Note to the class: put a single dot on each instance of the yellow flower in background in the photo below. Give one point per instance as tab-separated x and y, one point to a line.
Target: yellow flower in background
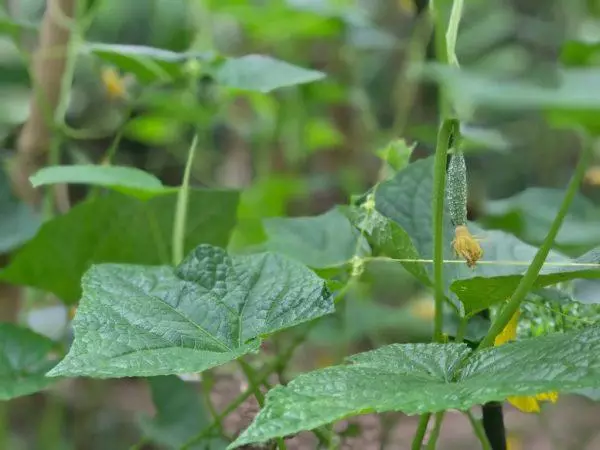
592	176
407	6
527	404
466	246
513	443
113	83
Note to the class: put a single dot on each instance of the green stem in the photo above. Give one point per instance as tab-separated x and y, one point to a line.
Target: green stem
439	188
452	32
435	434
479	431
417	443
441	54
255	388
207	384
286	356
250	374
462	329
182	206
4	425
540	257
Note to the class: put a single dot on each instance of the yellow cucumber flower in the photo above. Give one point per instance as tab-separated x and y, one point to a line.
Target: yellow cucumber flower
529	403
466	246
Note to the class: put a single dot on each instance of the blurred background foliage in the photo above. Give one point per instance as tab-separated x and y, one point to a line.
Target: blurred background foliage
303	149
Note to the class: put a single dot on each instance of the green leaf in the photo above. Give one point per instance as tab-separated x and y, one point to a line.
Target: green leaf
148	64
420	378
211	309
117	228
573	90
327	240
267	197
406	200
529	214
479	292
250	72
129	180
14	28
19	222
179	414
579	53
263	73
396	154
25	357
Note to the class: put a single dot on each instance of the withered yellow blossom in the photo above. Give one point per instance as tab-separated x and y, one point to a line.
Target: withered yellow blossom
466	246
527	404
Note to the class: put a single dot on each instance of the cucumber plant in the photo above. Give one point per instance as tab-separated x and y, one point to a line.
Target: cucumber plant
159	291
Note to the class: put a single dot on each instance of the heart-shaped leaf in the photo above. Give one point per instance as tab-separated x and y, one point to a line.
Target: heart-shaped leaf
420	378
211	309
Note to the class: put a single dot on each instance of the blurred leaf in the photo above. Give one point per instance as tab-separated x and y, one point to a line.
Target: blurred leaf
128	180
148	64
211	309
14	28
321	134
267	197
263	73
327	240
25	357
180	414
420	378
530	213
18	222
117	228
578	53
572	99
485	138
586	291
268	23
396	154
154	130
251	72
360	318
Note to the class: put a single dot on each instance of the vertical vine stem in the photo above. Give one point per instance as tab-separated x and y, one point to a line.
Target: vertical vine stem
445	43
439	188
255	388
540	257
479	431
435	434
182	205
417	443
